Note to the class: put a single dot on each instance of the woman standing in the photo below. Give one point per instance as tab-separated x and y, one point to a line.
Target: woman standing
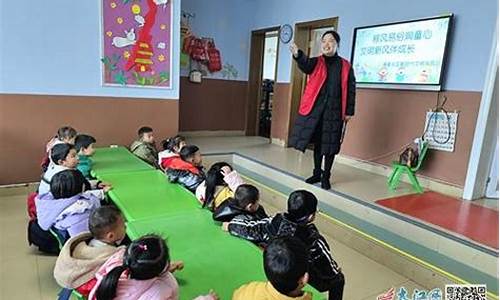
326	106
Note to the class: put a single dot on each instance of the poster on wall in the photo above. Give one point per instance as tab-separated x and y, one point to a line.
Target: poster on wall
137	43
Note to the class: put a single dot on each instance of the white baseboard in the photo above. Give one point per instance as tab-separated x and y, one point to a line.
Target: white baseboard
19	185
207	133
18	189
425	182
278	142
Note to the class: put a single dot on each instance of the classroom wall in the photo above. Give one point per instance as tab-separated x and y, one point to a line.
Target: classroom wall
400	115
471	40
50	76
29	121
215	105
54	48
229	23
49	37
388	119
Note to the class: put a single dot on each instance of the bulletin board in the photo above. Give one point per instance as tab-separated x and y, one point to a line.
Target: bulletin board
137	43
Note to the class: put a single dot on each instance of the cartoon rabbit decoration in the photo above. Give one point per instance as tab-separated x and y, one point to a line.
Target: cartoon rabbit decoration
121	42
140	19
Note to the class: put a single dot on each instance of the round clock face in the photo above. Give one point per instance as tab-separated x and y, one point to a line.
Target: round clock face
286	33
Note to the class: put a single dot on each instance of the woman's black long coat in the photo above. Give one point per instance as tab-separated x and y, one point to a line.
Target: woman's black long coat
324	123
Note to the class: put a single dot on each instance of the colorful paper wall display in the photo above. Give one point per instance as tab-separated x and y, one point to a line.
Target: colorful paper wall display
137	43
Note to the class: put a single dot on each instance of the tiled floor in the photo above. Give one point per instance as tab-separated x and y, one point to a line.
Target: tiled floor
345	179
365	278
487	202
476	222
349	180
24	273
27	274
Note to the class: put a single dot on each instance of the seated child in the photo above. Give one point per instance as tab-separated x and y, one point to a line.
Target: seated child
285	265
84	145
188	170
244	206
65	158
145	148
84	254
220	185
66	207
142	271
65	135
324	273
171	149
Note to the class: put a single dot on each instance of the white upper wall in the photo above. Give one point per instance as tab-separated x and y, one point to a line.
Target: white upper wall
53	47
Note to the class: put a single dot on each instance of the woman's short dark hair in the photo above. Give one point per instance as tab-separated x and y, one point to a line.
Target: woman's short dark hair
336	36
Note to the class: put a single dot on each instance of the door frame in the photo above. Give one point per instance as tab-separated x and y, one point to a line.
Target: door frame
492	185
298	79
481	155
254	90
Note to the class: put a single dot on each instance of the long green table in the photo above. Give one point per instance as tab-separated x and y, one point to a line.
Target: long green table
116	160
213	258
148	194
151	204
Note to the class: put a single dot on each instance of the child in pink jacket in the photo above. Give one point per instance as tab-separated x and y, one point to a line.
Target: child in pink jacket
142	271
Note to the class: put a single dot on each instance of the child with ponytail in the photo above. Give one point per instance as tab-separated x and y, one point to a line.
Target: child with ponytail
141	271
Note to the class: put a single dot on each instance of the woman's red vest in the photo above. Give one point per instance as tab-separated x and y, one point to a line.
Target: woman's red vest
316	81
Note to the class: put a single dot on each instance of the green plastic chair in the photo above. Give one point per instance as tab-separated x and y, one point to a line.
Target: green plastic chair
399	169
57	237
77	295
74	293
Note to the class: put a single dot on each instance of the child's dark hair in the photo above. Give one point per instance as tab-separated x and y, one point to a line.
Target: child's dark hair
188	152
301	204
336	36
285	263
83	141
172	143
143	130
214	179
102	220
66	132
60	152
145	258
67	183
246	194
